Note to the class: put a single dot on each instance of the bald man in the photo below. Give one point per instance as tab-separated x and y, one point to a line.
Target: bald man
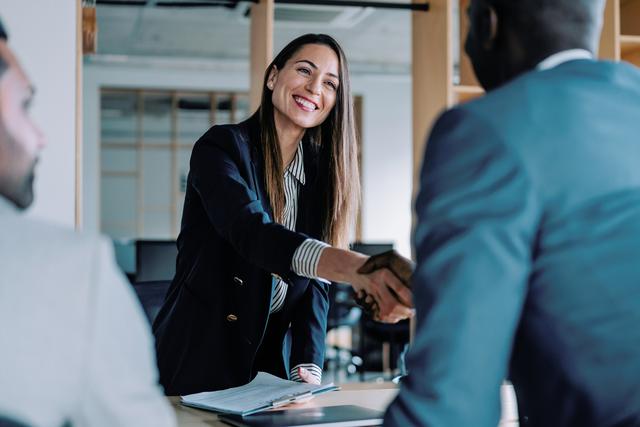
528	234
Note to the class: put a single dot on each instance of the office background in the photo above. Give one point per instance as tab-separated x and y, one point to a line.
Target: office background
207	50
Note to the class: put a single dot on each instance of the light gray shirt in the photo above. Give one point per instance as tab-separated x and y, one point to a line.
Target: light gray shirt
75	345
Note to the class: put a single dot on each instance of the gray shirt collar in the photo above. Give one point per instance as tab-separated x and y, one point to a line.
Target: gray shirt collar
561	57
7	207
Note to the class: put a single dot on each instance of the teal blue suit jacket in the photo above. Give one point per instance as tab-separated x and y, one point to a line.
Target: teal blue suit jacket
528	247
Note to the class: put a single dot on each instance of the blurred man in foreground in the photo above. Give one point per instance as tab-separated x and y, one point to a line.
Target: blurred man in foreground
528	234
76	347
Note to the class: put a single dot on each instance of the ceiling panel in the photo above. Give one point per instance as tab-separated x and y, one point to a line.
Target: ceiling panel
372	38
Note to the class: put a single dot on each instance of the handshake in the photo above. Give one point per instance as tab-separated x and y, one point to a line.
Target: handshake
387	296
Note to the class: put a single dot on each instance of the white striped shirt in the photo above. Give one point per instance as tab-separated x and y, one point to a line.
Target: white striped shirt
306	256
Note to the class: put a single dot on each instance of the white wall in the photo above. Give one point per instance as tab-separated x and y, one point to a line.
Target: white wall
42	33
387	159
387	148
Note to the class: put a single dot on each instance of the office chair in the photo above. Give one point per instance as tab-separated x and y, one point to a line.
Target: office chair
151	296
155	268
155	260
9	422
125	252
392	337
342	312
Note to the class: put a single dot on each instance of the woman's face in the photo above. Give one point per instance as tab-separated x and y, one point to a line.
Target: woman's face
304	91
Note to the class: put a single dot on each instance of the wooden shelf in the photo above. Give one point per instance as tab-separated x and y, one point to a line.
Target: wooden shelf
131	145
629	46
120	174
620	38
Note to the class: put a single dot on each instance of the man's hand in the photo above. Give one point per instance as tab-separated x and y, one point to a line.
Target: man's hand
392	260
393	300
366	302
392	296
401	267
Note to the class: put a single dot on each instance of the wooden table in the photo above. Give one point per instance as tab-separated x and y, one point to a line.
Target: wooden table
369	395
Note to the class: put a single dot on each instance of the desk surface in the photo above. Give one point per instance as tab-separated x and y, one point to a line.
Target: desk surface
370	395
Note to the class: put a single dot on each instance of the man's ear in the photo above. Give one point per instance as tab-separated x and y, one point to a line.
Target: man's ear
273	77
488	20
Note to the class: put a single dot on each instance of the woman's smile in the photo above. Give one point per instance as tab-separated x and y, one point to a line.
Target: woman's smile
305	104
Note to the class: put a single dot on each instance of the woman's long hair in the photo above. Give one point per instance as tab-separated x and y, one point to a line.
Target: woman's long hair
335	139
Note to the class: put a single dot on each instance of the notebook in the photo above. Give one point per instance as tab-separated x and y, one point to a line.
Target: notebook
266	391
330	416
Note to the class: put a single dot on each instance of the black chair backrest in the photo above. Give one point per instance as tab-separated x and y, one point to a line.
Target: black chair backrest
343	310
155	260
151	296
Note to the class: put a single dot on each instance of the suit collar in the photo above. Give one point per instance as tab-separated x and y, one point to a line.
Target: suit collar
296	167
251	130
308	212
307	153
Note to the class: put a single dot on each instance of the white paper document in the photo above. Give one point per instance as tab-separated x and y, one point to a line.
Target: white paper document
266	391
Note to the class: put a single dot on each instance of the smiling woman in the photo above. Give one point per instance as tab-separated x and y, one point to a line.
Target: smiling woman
303	85
265	199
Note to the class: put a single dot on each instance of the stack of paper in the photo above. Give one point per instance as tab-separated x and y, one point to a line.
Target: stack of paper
266	391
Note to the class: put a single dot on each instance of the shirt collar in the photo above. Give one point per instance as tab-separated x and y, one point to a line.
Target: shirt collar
296	167
562	57
7	207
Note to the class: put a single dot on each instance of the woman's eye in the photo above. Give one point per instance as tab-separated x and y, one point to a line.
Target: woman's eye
332	85
304	70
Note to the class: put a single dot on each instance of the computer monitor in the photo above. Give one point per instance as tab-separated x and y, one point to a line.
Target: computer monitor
371	248
155	260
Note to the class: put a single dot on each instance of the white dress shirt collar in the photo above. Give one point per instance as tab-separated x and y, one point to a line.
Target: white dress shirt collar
562	57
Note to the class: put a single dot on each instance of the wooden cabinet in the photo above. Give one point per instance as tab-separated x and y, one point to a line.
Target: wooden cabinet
146	138
621	31
630	31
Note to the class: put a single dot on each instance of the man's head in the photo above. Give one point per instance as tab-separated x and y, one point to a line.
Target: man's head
20	139
509	37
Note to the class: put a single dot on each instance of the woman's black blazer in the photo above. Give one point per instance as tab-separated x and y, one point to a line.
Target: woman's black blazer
215	313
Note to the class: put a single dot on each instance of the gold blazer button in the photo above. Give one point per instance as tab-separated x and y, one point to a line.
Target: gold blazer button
232	318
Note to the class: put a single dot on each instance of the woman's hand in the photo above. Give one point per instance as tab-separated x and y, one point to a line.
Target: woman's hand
401	267
389	299
393	300
306	376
